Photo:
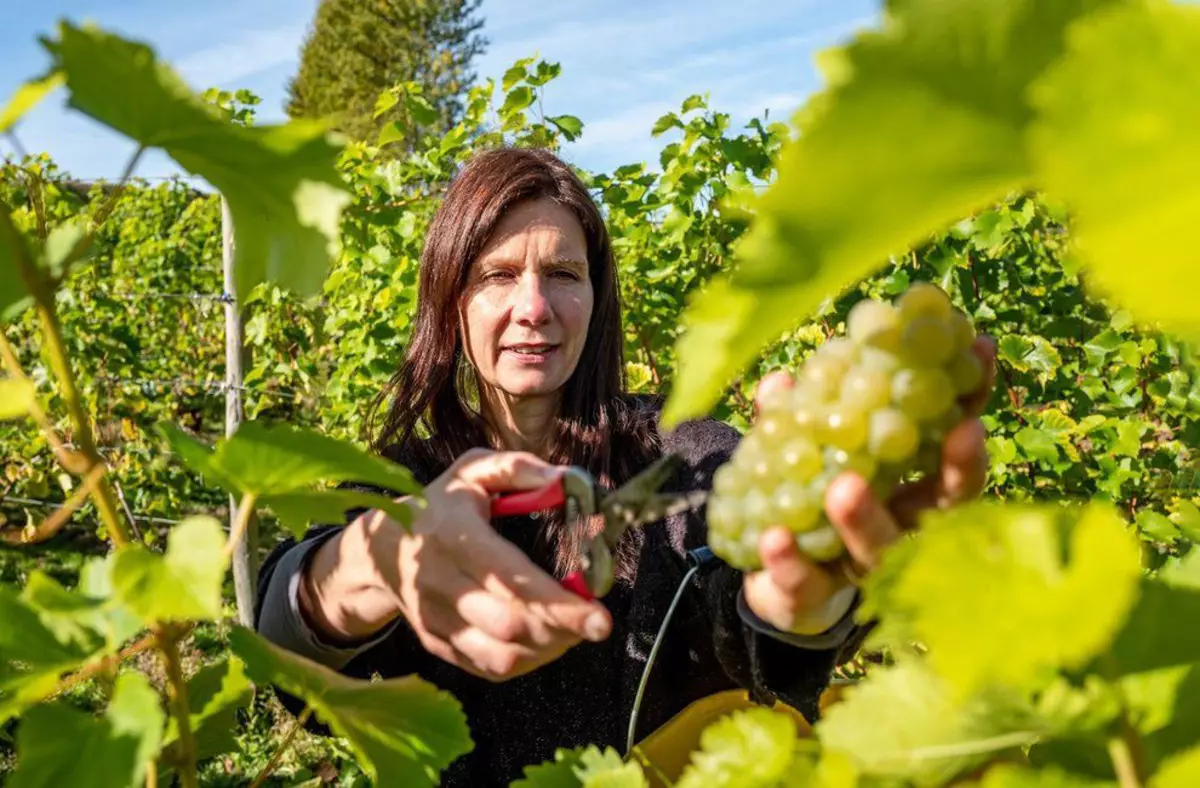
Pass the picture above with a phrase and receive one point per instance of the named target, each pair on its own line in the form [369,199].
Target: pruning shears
[635,503]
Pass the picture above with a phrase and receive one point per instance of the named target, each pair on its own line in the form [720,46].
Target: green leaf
[298,510]
[281,183]
[668,121]
[515,73]
[1181,771]
[271,460]
[903,721]
[1008,594]
[215,693]
[938,97]
[517,100]
[392,132]
[422,112]
[184,584]
[60,243]
[1144,644]
[583,767]
[748,747]
[1037,444]
[403,731]
[1117,121]
[27,97]
[1011,776]
[570,126]
[1156,526]
[58,746]
[695,101]
[14,296]
[16,398]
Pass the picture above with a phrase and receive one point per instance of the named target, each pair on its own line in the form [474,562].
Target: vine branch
[72,462]
[167,641]
[245,512]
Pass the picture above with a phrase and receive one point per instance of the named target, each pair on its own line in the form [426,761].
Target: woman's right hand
[472,597]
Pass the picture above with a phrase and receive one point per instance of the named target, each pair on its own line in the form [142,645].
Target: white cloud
[249,53]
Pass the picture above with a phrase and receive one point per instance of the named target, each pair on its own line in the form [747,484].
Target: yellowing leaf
[1116,139]
[925,125]
[749,747]
[1010,594]
[16,398]
[27,97]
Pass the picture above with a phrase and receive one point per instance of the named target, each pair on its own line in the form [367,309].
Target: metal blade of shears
[639,501]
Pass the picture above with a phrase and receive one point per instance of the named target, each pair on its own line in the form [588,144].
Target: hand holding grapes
[863,441]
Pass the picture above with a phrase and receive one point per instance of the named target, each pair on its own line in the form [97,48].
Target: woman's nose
[531,307]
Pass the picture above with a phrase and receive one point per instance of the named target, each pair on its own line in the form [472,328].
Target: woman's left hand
[794,594]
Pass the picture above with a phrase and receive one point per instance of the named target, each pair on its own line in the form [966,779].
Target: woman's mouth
[530,353]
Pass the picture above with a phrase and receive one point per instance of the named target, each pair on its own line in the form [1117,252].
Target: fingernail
[595,628]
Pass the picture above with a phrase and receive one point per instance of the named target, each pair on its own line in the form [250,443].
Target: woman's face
[528,301]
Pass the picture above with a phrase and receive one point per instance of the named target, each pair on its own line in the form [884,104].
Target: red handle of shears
[527,502]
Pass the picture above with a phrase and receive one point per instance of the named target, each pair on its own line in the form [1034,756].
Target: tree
[357,49]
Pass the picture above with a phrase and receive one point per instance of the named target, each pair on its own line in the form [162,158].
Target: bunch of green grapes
[878,402]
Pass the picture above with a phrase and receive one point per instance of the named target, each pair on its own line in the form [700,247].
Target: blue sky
[625,62]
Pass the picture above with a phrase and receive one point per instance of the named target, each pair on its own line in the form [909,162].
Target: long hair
[598,426]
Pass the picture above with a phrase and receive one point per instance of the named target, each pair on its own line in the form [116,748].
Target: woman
[515,369]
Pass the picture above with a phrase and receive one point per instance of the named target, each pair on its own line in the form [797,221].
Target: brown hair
[599,427]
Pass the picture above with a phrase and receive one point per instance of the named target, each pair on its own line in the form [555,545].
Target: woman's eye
[496,276]
[566,274]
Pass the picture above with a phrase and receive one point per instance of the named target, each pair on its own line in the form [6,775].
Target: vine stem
[1125,745]
[38,286]
[56,520]
[273,764]
[245,512]
[72,462]
[85,673]
[167,642]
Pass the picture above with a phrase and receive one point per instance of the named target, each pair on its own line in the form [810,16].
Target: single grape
[773,430]
[966,372]
[877,360]
[795,508]
[963,331]
[922,393]
[927,341]
[839,461]
[822,377]
[799,460]
[866,389]
[823,544]
[892,437]
[844,427]
[874,323]
[923,299]
[734,551]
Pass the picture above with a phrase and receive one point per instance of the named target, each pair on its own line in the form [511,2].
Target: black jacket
[585,697]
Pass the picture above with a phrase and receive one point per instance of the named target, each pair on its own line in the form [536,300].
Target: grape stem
[1125,745]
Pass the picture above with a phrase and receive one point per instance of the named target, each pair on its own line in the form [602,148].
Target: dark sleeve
[769,663]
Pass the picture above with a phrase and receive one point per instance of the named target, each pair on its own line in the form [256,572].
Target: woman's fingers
[962,476]
[789,585]
[866,526]
[499,471]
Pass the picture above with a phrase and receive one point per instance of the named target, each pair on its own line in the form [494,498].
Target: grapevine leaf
[14,296]
[748,747]
[215,693]
[298,510]
[58,745]
[583,767]
[270,460]
[1111,130]
[183,584]
[904,721]
[517,100]
[559,773]
[570,126]
[403,731]
[115,621]
[1145,644]
[280,182]
[938,97]
[1012,776]
[1037,444]
[16,398]
[1181,771]
[35,649]
[27,97]
[420,109]
[1009,593]
[1156,526]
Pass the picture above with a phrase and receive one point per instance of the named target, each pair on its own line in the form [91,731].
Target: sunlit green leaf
[422,112]
[183,584]
[1113,129]
[283,191]
[1012,776]
[583,767]
[570,126]
[1182,771]
[27,97]
[517,100]
[270,460]
[937,98]
[215,693]
[404,731]
[16,398]
[749,747]
[903,721]
[1009,594]
[298,510]
[58,745]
